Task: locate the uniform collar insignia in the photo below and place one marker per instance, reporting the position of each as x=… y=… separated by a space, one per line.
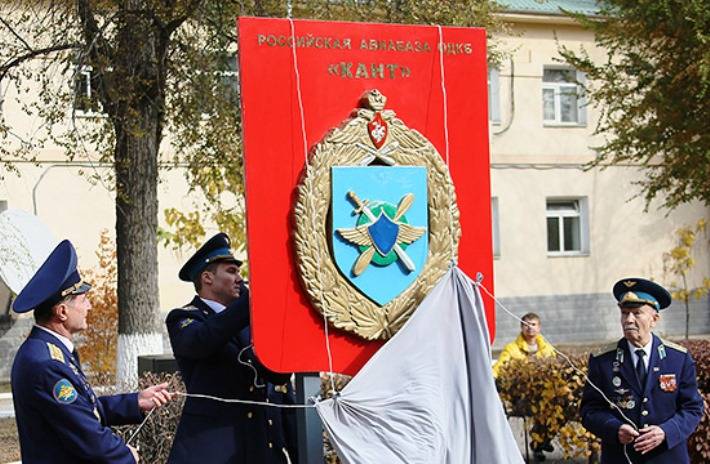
x=661 y=351
x=620 y=354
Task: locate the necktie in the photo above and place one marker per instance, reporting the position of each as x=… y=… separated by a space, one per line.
x=641 y=367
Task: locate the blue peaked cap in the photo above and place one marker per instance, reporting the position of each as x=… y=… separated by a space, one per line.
x=214 y=249
x=635 y=291
x=56 y=278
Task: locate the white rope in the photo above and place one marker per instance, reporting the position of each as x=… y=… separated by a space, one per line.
x=569 y=361
x=253 y=403
x=444 y=95
x=145 y=419
x=248 y=364
x=445 y=98
x=313 y=215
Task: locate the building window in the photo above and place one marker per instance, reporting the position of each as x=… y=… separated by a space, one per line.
x=229 y=78
x=562 y=102
x=222 y=84
x=496 y=227
x=567 y=227
x=86 y=98
x=493 y=96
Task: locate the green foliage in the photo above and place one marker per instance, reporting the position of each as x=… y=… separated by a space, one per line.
x=653 y=93
x=680 y=261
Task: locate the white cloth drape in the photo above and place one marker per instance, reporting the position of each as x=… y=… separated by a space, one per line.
x=428 y=395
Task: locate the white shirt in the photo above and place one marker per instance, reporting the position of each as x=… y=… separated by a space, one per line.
x=646 y=348
x=216 y=306
x=65 y=341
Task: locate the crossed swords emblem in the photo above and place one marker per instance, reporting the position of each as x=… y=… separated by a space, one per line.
x=367 y=235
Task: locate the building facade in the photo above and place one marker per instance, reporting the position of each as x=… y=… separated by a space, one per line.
x=562 y=235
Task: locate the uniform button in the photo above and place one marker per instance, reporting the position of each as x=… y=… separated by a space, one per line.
x=250 y=414
x=271 y=422
x=645 y=400
x=644 y=413
x=271 y=445
x=267 y=400
x=251 y=389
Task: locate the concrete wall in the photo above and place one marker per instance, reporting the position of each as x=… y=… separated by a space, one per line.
x=591 y=318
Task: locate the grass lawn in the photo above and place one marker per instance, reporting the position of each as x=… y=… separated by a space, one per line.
x=9 y=444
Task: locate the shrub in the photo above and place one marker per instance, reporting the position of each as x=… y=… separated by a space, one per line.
x=156 y=437
x=699 y=442
x=549 y=391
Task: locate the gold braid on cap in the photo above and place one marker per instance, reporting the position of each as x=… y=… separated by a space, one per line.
x=72 y=289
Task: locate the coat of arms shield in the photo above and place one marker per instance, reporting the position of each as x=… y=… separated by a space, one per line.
x=379 y=227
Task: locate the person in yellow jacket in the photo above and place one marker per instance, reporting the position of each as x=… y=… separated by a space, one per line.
x=529 y=344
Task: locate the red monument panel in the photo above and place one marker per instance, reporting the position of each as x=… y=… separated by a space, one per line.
x=337 y=63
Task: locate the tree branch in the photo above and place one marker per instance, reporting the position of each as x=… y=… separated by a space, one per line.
x=13 y=32
x=27 y=56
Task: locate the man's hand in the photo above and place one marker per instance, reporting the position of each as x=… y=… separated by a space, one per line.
x=627 y=434
x=154 y=397
x=651 y=436
x=134 y=452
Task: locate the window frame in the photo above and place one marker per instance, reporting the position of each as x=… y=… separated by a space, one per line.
x=556 y=87
x=86 y=73
x=582 y=212
x=493 y=86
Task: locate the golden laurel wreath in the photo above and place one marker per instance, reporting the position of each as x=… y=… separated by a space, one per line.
x=330 y=292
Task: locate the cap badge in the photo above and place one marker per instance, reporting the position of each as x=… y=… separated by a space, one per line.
x=629 y=283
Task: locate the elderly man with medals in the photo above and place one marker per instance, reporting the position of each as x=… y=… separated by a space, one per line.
x=59 y=417
x=651 y=382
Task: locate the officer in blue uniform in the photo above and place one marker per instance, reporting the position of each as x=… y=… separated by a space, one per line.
x=211 y=340
x=650 y=381
x=59 y=418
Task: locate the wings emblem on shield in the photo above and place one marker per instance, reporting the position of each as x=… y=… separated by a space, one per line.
x=376 y=221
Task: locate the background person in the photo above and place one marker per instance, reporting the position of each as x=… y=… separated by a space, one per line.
x=651 y=380
x=59 y=417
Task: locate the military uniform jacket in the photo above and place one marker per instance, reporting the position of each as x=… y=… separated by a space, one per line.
x=669 y=399
x=214 y=356
x=59 y=418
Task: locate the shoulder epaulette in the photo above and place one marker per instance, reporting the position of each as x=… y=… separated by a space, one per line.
x=605 y=349
x=56 y=353
x=190 y=307
x=675 y=346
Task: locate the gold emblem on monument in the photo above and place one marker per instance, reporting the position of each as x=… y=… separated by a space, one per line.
x=372 y=136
